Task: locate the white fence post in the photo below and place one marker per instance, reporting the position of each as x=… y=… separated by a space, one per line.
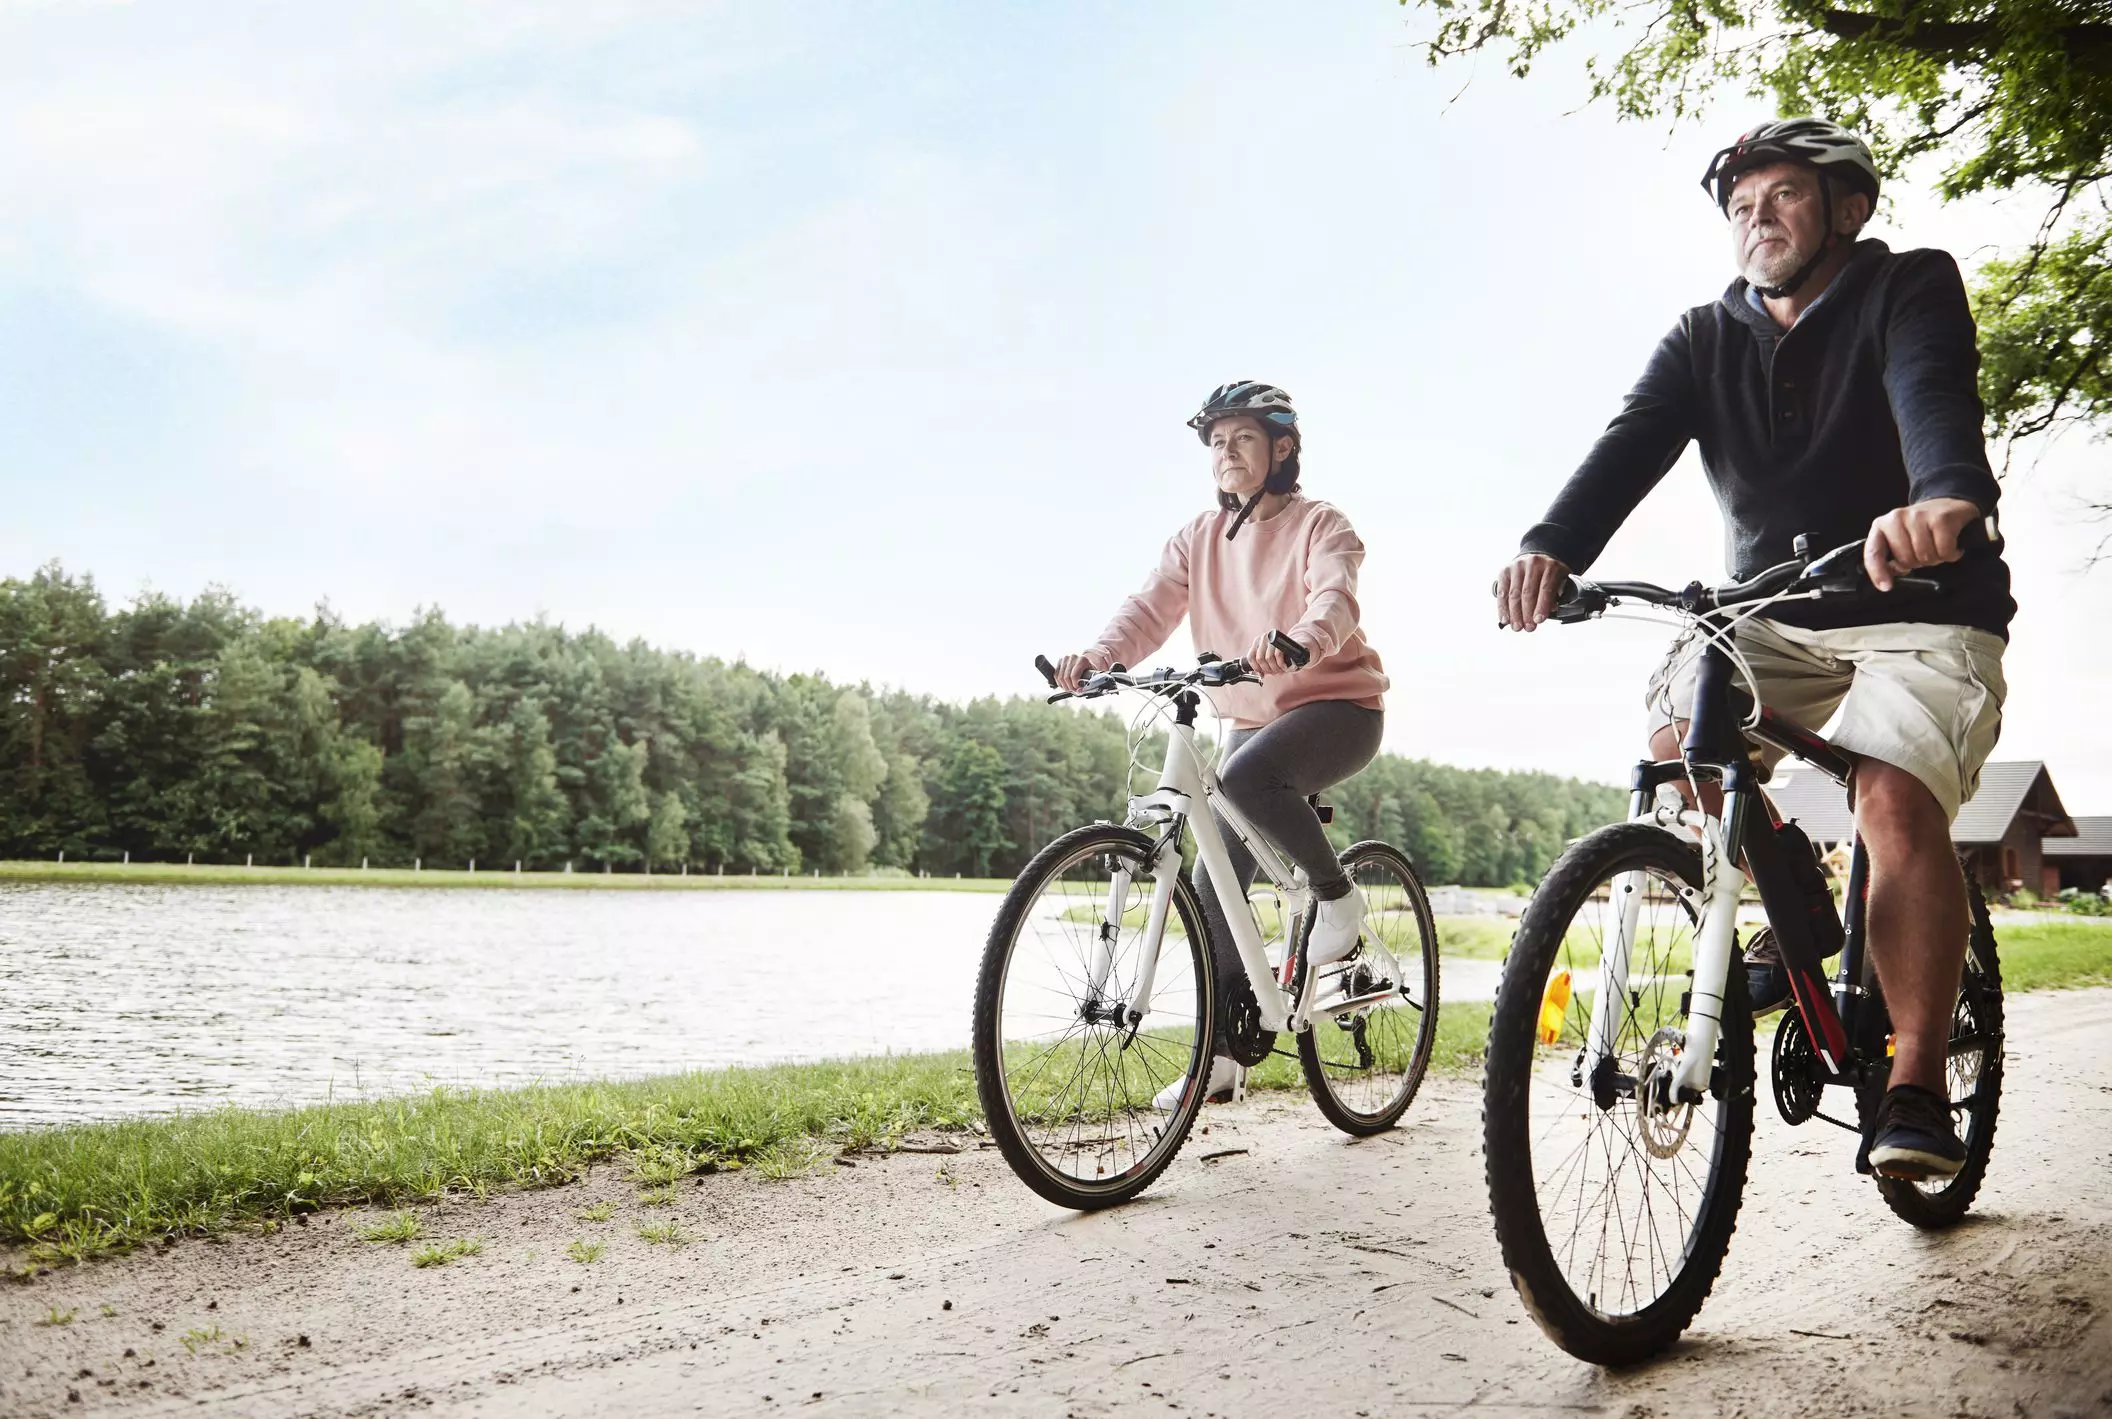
x=516 y=867
x=249 y=859
x=307 y=861
x=472 y=867
x=417 y=864
x=362 y=864
x=128 y=857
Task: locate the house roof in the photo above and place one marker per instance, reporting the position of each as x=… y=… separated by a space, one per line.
x=2013 y=788
x=2093 y=838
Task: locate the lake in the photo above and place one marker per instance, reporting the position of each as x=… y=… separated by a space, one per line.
x=120 y=1000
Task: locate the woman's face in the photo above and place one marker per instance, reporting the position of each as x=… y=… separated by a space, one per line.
x=1240 y=454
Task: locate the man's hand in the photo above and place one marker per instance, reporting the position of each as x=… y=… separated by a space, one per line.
x=1072 y=670
x=1526 y=590
x=1910 y=538
x=1265 y=660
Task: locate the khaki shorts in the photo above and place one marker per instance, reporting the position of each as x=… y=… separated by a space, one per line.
x=1927 y=699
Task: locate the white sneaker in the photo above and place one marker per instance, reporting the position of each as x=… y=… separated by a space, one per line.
x=1224 y=1074
x=1336 y=926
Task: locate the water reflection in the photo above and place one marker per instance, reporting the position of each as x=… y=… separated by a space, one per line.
x=124 y=1000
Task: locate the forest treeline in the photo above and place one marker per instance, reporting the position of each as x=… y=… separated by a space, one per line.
x=169 y=729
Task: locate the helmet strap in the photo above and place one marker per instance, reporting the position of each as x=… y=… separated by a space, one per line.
x=1268 y=486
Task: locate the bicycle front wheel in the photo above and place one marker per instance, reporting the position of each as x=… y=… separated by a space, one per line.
x=1364 y=1062
x=1072 y=1087
x=1614 y=1212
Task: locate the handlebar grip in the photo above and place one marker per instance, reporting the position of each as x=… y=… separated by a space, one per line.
x=1048 y=671
x=1295 y=653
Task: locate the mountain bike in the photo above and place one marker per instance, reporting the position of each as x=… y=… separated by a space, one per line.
x=1619 y=1085
x=1098 y=989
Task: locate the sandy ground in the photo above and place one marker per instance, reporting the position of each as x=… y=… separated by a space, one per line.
x=1276 y=1265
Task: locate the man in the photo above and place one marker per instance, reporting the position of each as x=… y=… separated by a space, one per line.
x=1832 y=390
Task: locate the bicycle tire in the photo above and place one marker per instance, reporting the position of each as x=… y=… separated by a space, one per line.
x=987 y=1047
x=1323 y=1077
x=1577 y=1323
x=1977 y=1017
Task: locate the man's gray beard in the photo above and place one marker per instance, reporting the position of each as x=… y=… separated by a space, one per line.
x=1760 y=271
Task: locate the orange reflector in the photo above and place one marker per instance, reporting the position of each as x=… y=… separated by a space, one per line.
x=1889 y=1041
x=1554 y=1007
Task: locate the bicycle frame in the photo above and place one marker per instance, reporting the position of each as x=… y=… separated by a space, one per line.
x=1187 y=792
x=1716 y=749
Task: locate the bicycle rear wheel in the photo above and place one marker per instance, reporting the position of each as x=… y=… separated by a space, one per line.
x=1975 y=1079
x=1363 y=1064
x=1614 y=1219
x=1067 y=1081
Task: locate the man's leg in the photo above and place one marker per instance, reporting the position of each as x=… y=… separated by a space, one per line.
x=1918 y=922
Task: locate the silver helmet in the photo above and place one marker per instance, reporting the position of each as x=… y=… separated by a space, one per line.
x=1814 y=142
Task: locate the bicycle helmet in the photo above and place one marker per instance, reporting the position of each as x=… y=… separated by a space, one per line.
x=1272 y=407
x=1827 y=148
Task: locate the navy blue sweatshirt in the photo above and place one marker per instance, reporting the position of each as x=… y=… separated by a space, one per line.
x=1869 y=403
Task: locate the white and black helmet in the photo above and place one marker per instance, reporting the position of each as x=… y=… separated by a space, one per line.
x=1814 y=142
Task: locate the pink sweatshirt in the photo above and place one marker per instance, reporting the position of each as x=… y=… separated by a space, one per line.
x=1296 y=573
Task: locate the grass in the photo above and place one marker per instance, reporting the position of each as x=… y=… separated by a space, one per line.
x=213 y=875
x=397 y=1227
x=598 y=1212
x=441 y=1253
x=584 y=1252
x=81 y=1191
x=667 y=1234
x=2054 y=955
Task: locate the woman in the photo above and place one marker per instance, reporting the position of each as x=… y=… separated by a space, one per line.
x=1267 y=559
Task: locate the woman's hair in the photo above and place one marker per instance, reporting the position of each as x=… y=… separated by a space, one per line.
x=1284 y=478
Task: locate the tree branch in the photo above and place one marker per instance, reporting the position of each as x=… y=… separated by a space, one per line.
x=2089 y=45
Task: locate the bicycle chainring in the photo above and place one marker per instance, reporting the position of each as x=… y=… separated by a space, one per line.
x=1799 y=1081
x=1241 y=1034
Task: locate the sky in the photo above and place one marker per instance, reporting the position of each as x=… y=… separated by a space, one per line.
x=859 y=337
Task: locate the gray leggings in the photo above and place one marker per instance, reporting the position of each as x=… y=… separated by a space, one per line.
x=1267 y=773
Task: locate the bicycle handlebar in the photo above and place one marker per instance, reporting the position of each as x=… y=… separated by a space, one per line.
x=1210 y=673
x=1839 y=572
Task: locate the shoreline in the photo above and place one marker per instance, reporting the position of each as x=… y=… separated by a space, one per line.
x=164 y=874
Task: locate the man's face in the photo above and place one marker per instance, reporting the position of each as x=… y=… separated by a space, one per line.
x=1778 y=220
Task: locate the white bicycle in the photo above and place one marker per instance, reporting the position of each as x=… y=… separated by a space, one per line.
x=1097 y=988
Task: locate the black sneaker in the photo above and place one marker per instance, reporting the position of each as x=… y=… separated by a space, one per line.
x=1914 y=1137
x=1766 y=978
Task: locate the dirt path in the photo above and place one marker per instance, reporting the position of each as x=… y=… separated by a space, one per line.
x=1276 y=1261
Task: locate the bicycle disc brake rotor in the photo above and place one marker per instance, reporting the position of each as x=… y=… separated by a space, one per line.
x=1798 y=1085
x=1244 y=1038
x=1664 y=1129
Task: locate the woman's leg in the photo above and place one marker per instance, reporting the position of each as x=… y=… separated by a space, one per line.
x=1305 y=751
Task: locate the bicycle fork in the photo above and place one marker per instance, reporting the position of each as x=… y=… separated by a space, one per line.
x=1118 y=885
x=1715 y=943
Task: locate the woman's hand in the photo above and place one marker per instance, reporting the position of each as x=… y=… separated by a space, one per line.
x=1072 y=670
x=1265 y=659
